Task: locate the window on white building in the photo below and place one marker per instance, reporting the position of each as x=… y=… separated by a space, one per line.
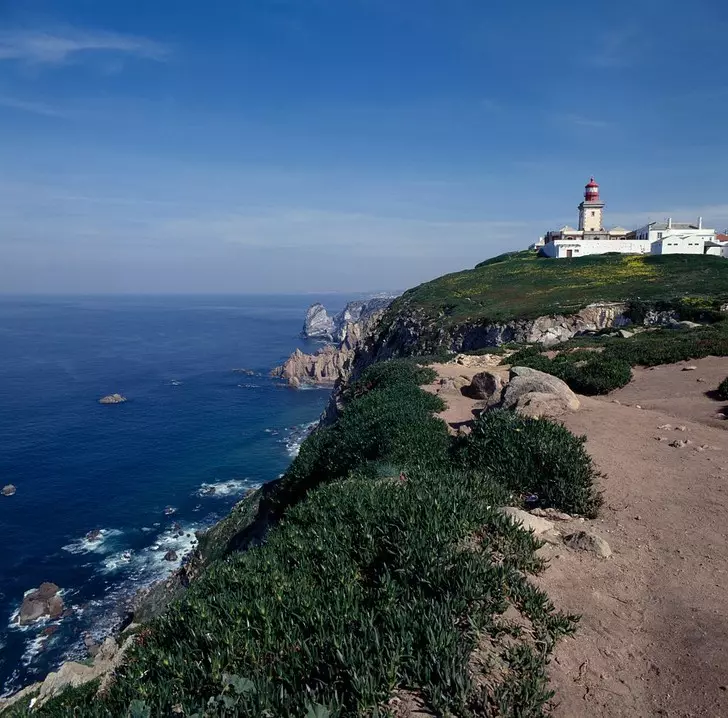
x=659 y=235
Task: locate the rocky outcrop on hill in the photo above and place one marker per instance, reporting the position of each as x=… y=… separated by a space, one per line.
x=409 y=332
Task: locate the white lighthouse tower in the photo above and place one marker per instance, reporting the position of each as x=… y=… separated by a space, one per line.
x=591 y=210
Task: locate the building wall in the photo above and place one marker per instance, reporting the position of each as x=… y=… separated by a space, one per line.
x=582 y=248
x=692 y=244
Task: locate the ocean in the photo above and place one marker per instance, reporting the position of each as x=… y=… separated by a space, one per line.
x=192 y=437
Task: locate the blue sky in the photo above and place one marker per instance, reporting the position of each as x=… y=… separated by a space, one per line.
x=350 y=145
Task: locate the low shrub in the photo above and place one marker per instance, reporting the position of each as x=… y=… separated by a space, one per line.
x=533 y=456
x=387 y=417
x=365 y=587
x=593 y=374
x=667 y=346
x=585 y=372
x=722 y=390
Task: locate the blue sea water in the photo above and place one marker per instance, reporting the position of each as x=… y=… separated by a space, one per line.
x=190 y=422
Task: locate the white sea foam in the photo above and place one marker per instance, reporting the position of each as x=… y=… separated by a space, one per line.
x=102 y=544
x=296 y=436
x=223 y=489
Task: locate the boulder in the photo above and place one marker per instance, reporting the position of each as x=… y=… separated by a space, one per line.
x=8 y=490
x=540 y=405
x=485 y=386
x=684 y=326
x=586 y=541
x=552 y=514
x=170 y=556
x=94 y=535
x=525 y=380
x=625 y=334
x=528 y=521
x=112 y=399
x=44 y=602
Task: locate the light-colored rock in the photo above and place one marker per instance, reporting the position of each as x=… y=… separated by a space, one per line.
x=525 y=380
x=586 y=541
x=484 y=360
x=528 y=521
x=317 y=324
x=625 y=334
x=8 y=490
x=684 y=325
x=112 y=399
x=692 y=367
x=551 y=514
x=539 y=405
x=69 y=674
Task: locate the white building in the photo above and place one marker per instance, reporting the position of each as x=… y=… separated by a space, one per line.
x=654 y=238
x=676 y=237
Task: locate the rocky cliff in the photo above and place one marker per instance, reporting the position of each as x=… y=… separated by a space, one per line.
x=331 y=362
x=319 y=324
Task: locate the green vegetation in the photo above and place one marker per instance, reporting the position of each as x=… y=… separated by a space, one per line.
x=371 y=581
x=532 y=456
x=586 y=372
x=722 y=390
x=522 y=285
x=600 y=364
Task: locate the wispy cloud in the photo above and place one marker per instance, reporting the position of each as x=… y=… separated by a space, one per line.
x=59 y=46
x=35 y=108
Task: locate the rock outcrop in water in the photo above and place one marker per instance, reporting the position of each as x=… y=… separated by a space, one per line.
x=318 y=324
x=44 y=602
x=112 y=399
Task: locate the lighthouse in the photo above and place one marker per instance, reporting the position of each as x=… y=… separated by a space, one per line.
x=591 y=210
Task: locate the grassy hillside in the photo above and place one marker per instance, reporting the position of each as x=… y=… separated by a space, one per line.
x=524 y=286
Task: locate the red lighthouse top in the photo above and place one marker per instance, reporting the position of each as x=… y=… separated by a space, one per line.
x=591 y=191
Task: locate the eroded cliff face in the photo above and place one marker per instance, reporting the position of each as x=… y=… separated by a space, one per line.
x=319 y=324
x=409 y=333
x=331 y=362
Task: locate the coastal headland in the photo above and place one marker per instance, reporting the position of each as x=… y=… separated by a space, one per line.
x=513 y=505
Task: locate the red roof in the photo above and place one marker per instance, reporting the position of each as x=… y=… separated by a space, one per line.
x=592 y=183
x=721 y=237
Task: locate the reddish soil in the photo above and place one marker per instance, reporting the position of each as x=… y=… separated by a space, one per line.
x=653 y=638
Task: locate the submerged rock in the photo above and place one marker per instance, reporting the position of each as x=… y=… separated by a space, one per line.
x=94 y=535
x=112 y=399
x=8 y=490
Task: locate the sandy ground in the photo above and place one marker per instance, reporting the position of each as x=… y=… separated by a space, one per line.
x=653 y=638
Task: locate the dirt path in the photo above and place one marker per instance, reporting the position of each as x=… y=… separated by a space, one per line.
x=653 y=639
